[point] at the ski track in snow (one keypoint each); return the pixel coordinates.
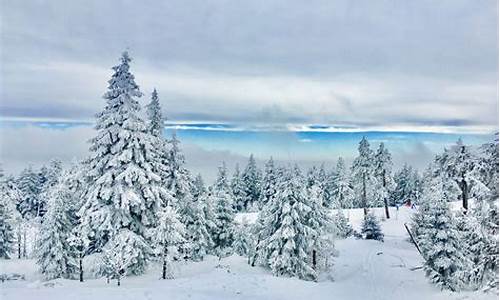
(363, 270)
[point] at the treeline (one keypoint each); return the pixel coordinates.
(132, 201)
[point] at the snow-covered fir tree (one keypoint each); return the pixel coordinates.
(199, 231)
(269, 182)
(7, 238)
(124, 254)
(55, 256)
(238, 189)
(179, 183)
(439, 239)
(155, 123)
(251, 180)
(167, 237)
(287, 248)
(383, 173)
(242, 244)
(223, 213)
(343, 228)
(124, 193)
(363, 178)
(322, 226)
(458, 163)
(342, 193)
(198, 188)
(30, 205)
(370, 229)
(155, 117)
(407, 186)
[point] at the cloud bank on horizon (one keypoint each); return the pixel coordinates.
(382, 64)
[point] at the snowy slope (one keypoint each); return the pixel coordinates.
(363, 270)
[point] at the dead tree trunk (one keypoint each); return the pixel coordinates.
(413, 240)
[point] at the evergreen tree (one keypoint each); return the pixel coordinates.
(55, 256)
(155, 116)
(238, 189)
(342, 192)
(458, 163)
(223, 213)
(242, 243)
(371, 229)
(168, 236)
(124, 193)
(407, 186)
(199, 232)
(269, 182)
(198, 188)
(383, 169)
(321, 224)
(29, 184)
(343, 228)
(363, 174)
(439, 239)
(6, 223)
(251, 180)
(287, 247)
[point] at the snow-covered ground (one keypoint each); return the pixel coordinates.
(363, 270)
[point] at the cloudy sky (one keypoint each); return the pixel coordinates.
(374, 65)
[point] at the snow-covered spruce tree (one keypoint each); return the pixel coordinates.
(155, 117)
(289, 244)
(242, 243)
(322, 228)
(251, 179)
(6, 222)
(238, 189)
(124, 253)
(199, 232)
(167, 237)
(179, 182)
(439, 239)
(55, 256)
(223, 212)
(30, 187)
(371, 229)
(198, 188)
(363, 178)
(479, 235)
(124, 193)
(383, 172)
(405, 186)
(342, 192)
(269, 182)
(343, 228)
(458, 163)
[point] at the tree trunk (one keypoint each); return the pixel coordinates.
(386, 205)
(118, 281)
(164, 273)
(19, 244)
(81, 268)
(465, 196)
(365, 209)
(314, 259)
(24, 244)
